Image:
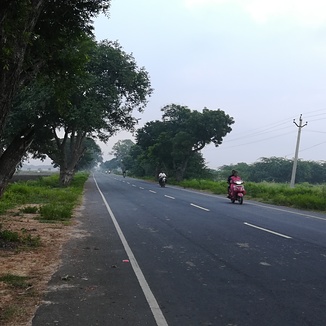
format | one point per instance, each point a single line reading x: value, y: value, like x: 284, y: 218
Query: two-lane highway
x: 204, y: 261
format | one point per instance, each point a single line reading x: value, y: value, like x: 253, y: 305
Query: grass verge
x: 56, y: 204
x: 303, y: 196
x: 29, y: 250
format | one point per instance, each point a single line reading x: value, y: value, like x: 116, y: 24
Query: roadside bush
x: 56, y: 212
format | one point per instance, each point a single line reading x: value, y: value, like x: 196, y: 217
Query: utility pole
x: 295, y: 161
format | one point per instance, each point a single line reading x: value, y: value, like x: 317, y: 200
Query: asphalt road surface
x: 170, y: 256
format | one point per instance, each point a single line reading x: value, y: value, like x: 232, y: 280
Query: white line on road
x: 290, y: 212
x: 134, y: 185
x: 154, y: 192
x: 204, y: 209
x: 266, y: 230
x: 169, y: 197
x: 155, y: 308
x: 141, y: 188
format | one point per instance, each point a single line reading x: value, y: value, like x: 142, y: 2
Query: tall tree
x: 99, y: 103
x: 31, y: 32
x: 182, y: 133
x: 32, y: 36
x: 121, y: 151
x: 91, y: 157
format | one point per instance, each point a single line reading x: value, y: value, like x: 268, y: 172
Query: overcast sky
x: 263, y: 62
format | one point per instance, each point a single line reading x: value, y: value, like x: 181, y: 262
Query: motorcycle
x: 162, y: 181
x: 237, y: 191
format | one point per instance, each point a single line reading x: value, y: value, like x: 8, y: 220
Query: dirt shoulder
x: 35, y: 265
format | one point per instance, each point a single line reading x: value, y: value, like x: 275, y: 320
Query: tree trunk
x: 66, y: 176
x: 70, y: 159
x: 180, y: 169
x: 12, y: 156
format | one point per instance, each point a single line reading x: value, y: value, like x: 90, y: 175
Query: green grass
x: 55, y: 204
x: 23, y: 238
x: 45, y: 191
x: 56, y: 212
x: 15, y: 281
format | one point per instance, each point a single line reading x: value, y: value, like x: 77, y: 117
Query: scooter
x: 237, y: 191
x: 162, y: 181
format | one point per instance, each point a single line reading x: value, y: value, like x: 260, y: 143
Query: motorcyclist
x: 161, y: 176
x: 234, y: 175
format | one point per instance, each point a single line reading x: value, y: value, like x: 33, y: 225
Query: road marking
x: 152, y: 191
x: 204, y: 209
x: 141, y: 188
x: 134, y: 185
x: 269, y: 231
x: 169, y: 196
x: 152, y: 302
x: 291, y: 212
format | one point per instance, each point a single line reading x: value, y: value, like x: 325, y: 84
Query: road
x: 210, y: 262
x: 200, y: 260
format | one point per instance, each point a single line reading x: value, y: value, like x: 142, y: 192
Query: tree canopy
x: 172, y: 142
x: 121, y: 150
x: 33, y: 36
x: 95, y: 103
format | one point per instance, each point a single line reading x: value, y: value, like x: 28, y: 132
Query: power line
x: 270, y: 129
x: 259, y: 140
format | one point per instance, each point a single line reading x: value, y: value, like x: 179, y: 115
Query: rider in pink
x: 231, y: 179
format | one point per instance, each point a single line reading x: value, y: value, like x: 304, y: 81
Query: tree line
x: 277, y: 169
x: 128, y: 156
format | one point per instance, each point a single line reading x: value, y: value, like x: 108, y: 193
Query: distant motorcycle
x: 237, y: 190
x: 162, y: 181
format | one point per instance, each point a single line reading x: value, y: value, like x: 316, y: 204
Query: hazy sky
x: 263, y: 62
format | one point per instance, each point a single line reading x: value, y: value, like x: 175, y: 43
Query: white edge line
x: 204, y: 209
x: 169, y: 197
x: 266, y: 230
x: 156, y: 310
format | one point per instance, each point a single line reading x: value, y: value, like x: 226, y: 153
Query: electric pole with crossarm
x: 295, y: 161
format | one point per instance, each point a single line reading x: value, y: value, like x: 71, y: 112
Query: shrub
x: 56, y: 212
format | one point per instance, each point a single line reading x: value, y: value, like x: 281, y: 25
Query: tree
x: 172, y: 142
x: 121, y: 151
x: 110, y: 165
x: 32, y: 35
x: 31, y: 31
x: 273, y: 169
x: 91, y: 157
x: 96, y: 105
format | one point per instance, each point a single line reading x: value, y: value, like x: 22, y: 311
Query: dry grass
x: 35, y: 264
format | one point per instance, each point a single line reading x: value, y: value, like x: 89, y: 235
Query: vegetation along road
x: 170, y: 256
